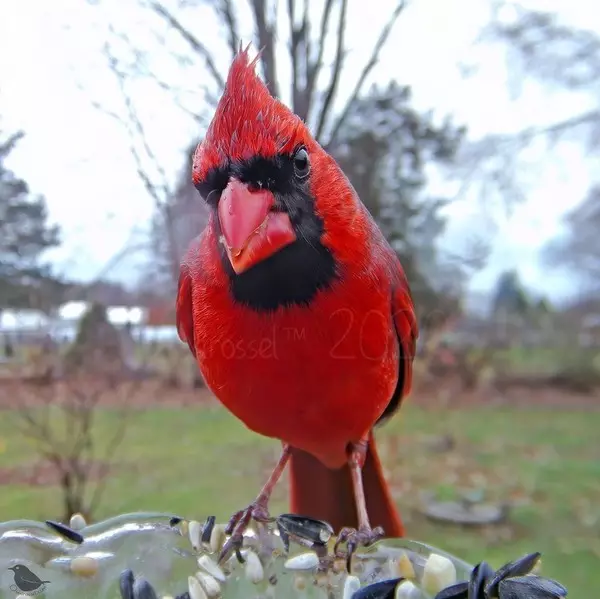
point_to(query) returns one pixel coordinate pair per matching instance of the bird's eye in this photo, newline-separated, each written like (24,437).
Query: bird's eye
(301,163)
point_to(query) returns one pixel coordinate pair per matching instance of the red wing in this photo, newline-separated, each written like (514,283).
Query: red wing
(184,315)
(405,321)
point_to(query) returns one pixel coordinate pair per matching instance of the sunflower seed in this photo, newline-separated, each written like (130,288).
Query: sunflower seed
(309,529)
(407,590)
(126,581)
(142,589)
(303,561)
(253,568)
(65,532)
(195,533)
(480,575)
(438,573)
(211,586)
(217,538)
(518,567)
(77,522)
(384,589)
(195,588)
(207,530)
(460,590)
(531,587)
(211,567)
(351,585)
(84,566)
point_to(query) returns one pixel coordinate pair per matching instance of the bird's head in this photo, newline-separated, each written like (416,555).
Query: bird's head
(269,183)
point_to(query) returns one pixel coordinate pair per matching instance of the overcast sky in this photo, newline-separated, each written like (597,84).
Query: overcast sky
(79,158)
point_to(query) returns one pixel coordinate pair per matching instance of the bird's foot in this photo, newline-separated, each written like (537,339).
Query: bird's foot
(354,538)
(238,523)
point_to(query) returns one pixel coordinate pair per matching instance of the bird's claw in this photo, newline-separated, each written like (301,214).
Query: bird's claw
(354,538)
(237,525)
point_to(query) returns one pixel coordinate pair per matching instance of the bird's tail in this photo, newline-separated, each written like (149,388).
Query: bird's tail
(325,494)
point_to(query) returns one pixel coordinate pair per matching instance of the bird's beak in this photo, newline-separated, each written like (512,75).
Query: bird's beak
(252,231)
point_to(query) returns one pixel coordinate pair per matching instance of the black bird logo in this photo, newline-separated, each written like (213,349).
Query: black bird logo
(26,580)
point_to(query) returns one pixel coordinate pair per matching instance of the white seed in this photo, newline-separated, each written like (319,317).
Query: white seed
(254,569)
(210,566)
(439,572)
(167,597)
(84,566)
(217,538)
(407,590)
(195,588)
(351,585)
(22,597)
(304,561)
(211,586)
(77,522)
(195,533)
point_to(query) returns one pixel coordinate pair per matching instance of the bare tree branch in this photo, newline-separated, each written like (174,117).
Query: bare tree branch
(266,40)
(191,39)
(313,67)
(381,41)
(226,11)
(337,71)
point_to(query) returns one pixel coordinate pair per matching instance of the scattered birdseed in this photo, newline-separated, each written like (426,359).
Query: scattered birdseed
(151,545)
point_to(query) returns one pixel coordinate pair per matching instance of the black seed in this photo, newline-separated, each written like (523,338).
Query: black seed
(285,538)
(315,531)
(384,589)
(126,581)
(142,589)
(519,567)
(460,590)
(185,595)
(273,579)
(530,587)
(65,531)
(239,556)
(175,520)
(480,575)
(208,528)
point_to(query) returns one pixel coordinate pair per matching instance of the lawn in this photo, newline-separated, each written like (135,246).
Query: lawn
(200,461)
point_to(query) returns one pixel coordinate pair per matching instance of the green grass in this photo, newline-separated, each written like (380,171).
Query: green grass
(202,461)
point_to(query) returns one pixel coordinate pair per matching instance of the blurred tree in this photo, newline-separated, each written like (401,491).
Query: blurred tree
(311,38)
(578,249)
(384,147)
(510,297)
(25,282)
(568,58)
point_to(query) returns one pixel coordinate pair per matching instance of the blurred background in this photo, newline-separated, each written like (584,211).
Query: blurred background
(470,129)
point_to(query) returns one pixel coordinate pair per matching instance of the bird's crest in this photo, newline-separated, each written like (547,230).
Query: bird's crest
(247,122)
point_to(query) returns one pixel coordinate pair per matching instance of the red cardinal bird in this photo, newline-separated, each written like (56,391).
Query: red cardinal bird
(296,309)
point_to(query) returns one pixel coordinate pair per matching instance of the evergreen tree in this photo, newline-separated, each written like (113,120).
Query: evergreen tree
(25,282)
